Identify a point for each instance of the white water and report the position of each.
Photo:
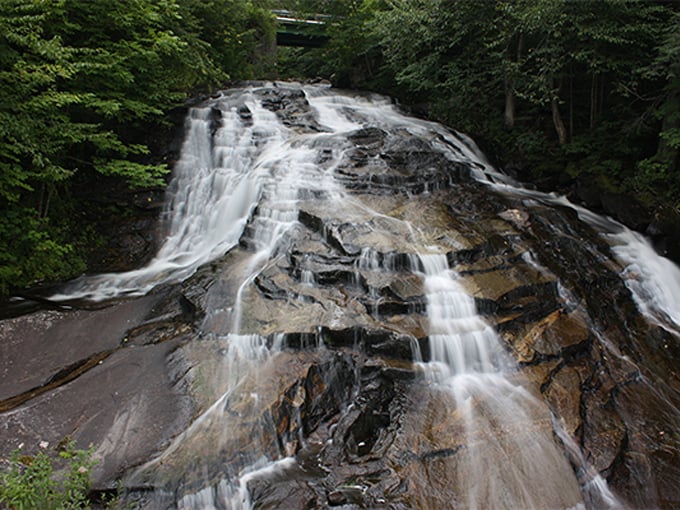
(253, 172)
(653, 280)
(460, 341)
(282, 167)
(220, 179)
(500, 417)
(217, 182)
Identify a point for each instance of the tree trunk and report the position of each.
(510, 106)
(509, 114)
(557, 116)
(593, 100)
(571, 101)
(557, 121)
(46, 206)
(41, 200)
(602, 96)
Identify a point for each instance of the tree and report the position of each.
(438, 49)
(79, 80)
(665, 68)
(235, 36)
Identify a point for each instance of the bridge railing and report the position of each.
(290, 17)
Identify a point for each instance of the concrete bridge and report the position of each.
(302, 32)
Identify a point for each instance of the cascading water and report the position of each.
(653, 280)
(283, 206)
(466, 359)
(460, 341)
(283, 166)
(217, 182)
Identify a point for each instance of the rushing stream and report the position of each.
(380, 319)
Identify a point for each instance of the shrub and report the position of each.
(46, 482)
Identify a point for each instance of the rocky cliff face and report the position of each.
(314, 348)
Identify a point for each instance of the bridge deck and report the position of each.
(300, 32)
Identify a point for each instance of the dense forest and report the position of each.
(556, 92)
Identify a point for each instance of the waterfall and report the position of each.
(216, 184)
(654, 280)
(467, 360)
(460, 341)
(321, 218)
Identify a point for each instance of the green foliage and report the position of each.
(44, 482)
(78, 79)
(551, 83)
(32, 250)
(352, 58)
(588, 85)
(235, 36)
(74, 72)
(58, 90)
(138, 175)
(436, 49)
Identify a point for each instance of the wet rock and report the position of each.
(604, 434)
(347, 495)
(664, 231)
(518, 218)
(557, 333)
(37, 347)
(564, 395)
(315, 359)
(291, 105)
(245, 114)
(286, 490)
(369, 139)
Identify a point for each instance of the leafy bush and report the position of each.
(46, 482)
(32, 250)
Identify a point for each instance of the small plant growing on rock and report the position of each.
(46, 482)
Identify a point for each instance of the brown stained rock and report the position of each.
(439, 450)
(381, 223)
(415, 325)
(519, 219)
(504, 283)
(631, 478)
(240, 425)
(560, 331)
(604, 431)
(190, 402)
(484, 264)
(564, 396)
(342, 461)
(550, 336)
(407, 288)
(536, 376)
(652, 441)
(285, 491)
